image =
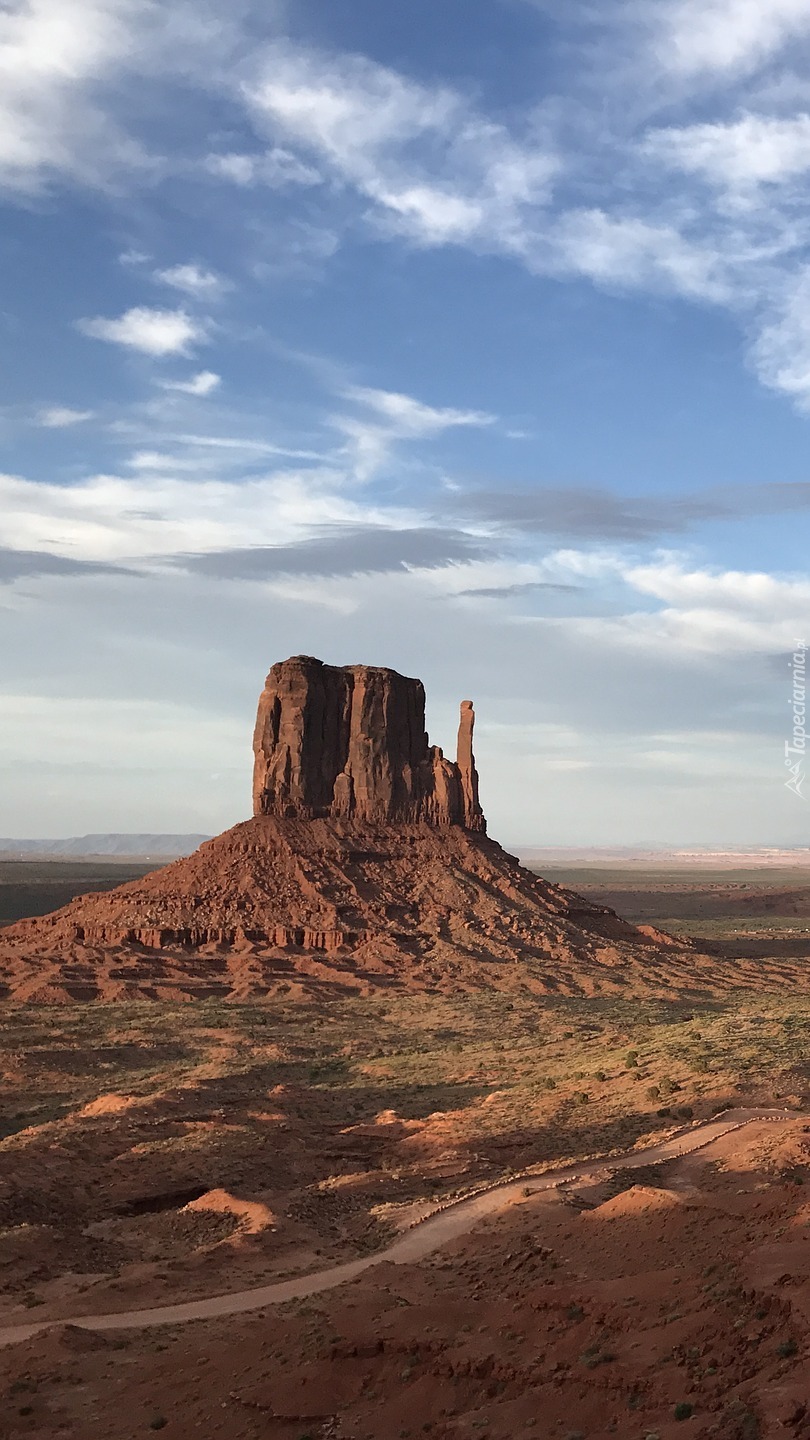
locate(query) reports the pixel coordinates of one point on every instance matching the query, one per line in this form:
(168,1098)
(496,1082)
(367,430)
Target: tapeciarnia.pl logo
(796,748)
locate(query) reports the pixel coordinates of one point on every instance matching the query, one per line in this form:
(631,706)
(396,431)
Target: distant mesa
(366,863)
(349,742)
(95,847)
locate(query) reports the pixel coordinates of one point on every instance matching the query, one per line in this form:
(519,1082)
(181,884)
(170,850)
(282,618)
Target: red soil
(690,1291)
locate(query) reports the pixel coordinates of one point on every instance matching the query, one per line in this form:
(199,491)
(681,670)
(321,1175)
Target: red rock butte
(366,862)
(350,742)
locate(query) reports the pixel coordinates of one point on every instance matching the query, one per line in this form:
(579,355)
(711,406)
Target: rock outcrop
(349,742)
(366,862)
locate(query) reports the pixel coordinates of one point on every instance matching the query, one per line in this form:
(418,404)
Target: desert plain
(154,1153)
(541,1171)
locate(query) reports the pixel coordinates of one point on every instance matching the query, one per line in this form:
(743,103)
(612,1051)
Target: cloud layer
(348,477)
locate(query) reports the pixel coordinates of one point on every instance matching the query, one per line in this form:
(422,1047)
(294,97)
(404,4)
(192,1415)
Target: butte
(366,863)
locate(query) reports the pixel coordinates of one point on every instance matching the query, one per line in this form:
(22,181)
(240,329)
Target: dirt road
(422,1239)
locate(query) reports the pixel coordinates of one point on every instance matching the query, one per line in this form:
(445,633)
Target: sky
(471,339)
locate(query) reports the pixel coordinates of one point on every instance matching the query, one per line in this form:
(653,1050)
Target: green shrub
(683,1410)
(652,1092)
(631,1059)
(787,1349)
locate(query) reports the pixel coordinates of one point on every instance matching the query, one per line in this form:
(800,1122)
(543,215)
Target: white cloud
(133,257)
(704,612)
(437,172)
(50,52)
(726,37)
(165,508)
(241,169)
(433,169)
(153,332)
(203,383)
(743,153)
(662,602)
(245,445)
(167,464)
(728,590)
(632,251)
(431,215)
(67,65)
(409,417)
(401,417)
(193,280)
(781,354)
(60,417)
(275,167)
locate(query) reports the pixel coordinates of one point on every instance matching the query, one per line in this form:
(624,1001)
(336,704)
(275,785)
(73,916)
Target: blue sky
(472,339)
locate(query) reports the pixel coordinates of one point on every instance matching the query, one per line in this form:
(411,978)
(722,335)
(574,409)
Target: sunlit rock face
(349,742)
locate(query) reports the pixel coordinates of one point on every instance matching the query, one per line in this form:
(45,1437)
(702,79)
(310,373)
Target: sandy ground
(670,1297)
(427,1235)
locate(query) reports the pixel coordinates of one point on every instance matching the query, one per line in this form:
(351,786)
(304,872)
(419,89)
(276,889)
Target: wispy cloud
(30,564)
(275,167)
(194,280)
(61,417)
(365,550)
(630,251)
(704,211)
(711,209)
(153,332)
(52,54)
(409,417)
(600,514)
(434,169)
(393,417)
(725,38)
(781,354)
(201,384)
(165,508)
(738,155)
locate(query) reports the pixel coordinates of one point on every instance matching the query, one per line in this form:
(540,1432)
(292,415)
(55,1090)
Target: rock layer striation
(349,742)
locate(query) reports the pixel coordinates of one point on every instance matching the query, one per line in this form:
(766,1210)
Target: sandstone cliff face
(349,742)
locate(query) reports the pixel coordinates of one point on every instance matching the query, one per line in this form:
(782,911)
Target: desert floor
(159,1152)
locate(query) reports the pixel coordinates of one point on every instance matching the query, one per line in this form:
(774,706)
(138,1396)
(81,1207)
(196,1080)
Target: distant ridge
(148,847)
(540,857)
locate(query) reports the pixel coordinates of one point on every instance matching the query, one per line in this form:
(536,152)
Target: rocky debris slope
(366,847)
(323,898)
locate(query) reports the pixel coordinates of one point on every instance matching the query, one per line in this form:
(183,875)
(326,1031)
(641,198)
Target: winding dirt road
(422,1239)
